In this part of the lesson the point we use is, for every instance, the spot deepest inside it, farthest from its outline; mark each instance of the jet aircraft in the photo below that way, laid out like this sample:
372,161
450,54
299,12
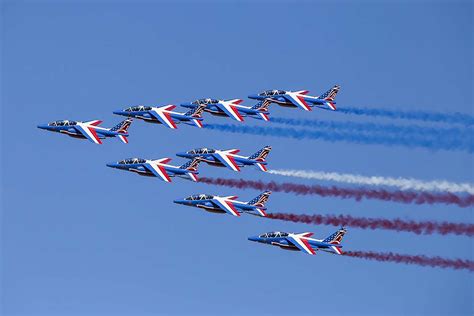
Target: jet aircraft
159,168
229,158
89,130
232,108
164,115
300,98
227,204
303,242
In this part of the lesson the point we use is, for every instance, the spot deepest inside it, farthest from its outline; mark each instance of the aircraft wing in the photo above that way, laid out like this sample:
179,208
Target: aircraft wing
301,243
226,206
297,100
229,109
162,114
89,132
227,160
158,171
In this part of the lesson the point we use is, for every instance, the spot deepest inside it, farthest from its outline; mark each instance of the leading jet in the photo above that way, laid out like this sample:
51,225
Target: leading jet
229,158
299,99
89,130
227,204
159,168
164,115
303,242
232,108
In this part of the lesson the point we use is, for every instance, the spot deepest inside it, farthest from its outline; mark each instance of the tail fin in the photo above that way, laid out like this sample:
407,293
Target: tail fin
260,200
196,111
262,106
262,109
191,165
330,95
122,127
261,154
336,237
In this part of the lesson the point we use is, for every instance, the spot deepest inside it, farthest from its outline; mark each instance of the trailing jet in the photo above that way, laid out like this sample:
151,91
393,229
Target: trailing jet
232,108
89,130
228,204
229,158
303,242
159,168
164,115
300,98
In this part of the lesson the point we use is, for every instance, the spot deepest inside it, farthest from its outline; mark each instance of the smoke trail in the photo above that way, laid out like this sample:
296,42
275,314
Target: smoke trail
346,193
400,130
425,227
410,259
333,136
401,183
452,118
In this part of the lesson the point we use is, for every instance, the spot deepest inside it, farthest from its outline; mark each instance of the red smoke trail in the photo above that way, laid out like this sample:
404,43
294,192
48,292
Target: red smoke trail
408,259
425,227
346,193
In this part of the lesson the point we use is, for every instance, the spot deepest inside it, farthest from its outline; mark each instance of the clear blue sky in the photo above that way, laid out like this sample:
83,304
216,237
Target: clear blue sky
79,238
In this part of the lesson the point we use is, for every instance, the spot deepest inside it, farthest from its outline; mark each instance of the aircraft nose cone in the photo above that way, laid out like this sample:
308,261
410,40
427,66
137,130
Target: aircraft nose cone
119,112
178,201
253,238
253,96
183,154
111,165
43,126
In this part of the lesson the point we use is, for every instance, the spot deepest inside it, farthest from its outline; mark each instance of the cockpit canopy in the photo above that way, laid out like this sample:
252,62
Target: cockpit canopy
206,101
63,123
199,197
200,151
274,235
132,161
139,108
272,92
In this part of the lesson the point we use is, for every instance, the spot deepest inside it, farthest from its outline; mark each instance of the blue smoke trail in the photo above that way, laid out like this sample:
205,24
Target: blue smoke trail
452,118
349,126
410,141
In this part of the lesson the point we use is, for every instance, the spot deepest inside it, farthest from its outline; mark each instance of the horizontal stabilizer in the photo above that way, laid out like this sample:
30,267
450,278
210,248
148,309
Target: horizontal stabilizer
192,176
264,117
198,123
261,166
123,138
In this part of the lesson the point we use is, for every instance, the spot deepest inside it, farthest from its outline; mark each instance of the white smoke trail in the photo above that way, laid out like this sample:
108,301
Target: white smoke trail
401,183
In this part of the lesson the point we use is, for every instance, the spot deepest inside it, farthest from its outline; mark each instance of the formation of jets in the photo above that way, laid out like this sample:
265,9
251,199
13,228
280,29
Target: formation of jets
220,158
228,158
166,116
